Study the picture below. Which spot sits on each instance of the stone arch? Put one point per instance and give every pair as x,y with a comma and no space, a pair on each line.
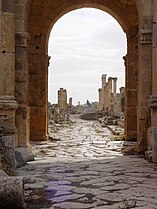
42,16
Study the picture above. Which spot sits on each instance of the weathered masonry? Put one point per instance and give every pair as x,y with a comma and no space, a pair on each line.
109,99
25,26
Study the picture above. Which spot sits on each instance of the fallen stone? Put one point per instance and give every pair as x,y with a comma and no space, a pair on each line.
22,156
11,193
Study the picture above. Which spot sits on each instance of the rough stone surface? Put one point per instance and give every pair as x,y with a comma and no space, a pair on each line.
85,169
139,21
7,154
22,156
11,193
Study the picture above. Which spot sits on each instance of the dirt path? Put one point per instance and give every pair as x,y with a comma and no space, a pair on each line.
83,168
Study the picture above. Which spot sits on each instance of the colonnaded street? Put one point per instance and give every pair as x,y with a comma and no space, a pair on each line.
81,167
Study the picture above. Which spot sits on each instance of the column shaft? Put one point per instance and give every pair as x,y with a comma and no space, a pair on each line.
21,89
144,87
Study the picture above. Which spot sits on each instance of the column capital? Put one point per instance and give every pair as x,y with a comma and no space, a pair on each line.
153,101
145,36
22,39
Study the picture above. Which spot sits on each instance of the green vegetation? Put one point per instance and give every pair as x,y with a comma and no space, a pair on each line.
118,138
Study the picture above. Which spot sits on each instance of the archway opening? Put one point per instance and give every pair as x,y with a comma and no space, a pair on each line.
85,44
39,29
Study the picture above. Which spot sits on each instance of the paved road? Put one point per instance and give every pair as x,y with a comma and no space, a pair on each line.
82,169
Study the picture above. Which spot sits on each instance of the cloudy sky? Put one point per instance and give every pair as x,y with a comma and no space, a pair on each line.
84,44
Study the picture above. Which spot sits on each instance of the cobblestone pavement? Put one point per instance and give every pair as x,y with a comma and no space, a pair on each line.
83,168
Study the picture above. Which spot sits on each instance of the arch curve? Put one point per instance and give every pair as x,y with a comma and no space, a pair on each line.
42,16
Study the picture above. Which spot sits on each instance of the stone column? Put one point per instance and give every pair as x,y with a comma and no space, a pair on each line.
114,85
109,94
70,102
144,87
152,133
131,83
100,100
114,95
103,79
21,89
62,102
38,98
8,105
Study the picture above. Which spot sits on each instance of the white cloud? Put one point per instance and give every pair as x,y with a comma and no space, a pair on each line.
84,44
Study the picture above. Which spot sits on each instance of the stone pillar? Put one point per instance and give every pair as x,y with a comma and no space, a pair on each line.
100,108
114,85
103,79
103,91
8,105
79,109
110,94
70,102
144,87
114,95
62,102
38,96
21,89
122,97
131,83
152,133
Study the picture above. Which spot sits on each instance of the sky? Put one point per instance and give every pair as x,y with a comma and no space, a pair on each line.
83,45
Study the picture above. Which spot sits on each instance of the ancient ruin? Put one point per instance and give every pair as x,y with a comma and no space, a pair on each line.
59,112
109,100
25,26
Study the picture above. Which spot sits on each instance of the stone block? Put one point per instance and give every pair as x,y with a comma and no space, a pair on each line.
38,123
8,154
37,11
8,106
131,111
8,33
8,5
48,4
154,145
23,155
20,11
155,35
37,3
21,92
11,193
19,25
154,73
7,78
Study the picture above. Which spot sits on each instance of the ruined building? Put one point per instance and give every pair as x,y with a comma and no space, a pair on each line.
109,100
58,112
25,27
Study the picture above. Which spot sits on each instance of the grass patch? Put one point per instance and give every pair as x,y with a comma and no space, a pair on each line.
118,138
